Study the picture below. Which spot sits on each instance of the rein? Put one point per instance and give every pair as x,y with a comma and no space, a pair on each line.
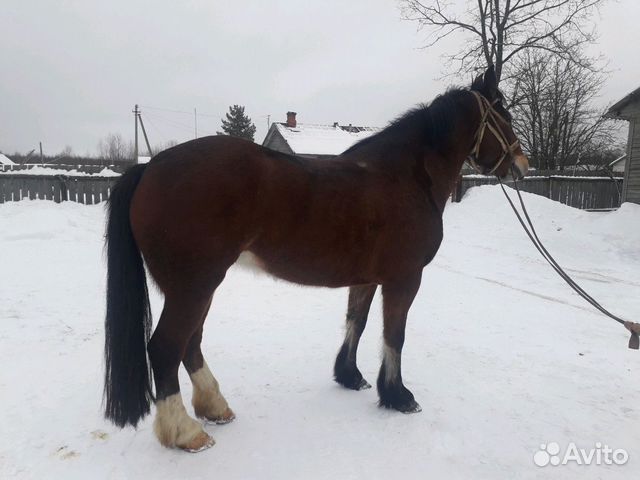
487,112
633,327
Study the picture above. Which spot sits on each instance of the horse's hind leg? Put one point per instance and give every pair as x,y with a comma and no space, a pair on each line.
396,300
345,370
208,402
181,317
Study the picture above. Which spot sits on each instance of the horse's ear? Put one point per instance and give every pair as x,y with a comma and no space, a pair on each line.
478,84
491,83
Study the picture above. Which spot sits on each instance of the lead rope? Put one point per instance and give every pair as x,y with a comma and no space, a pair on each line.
634,328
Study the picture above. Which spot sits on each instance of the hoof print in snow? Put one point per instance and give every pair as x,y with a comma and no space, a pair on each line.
65,454
99,435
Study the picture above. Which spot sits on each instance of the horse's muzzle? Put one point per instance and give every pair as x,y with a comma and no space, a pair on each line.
520,166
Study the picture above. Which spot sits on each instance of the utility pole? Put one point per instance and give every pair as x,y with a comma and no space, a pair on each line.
268,121
195,120
41,156
144,132
135,142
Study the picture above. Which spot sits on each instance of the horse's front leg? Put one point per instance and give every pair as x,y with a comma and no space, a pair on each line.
345,370
396,299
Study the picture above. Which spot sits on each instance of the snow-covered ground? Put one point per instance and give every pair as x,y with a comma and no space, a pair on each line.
502,356
53,171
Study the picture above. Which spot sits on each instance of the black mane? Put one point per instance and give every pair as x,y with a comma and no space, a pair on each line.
432,123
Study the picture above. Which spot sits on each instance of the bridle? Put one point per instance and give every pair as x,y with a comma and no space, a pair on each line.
487,113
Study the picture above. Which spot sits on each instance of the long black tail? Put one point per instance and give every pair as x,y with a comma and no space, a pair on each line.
127,381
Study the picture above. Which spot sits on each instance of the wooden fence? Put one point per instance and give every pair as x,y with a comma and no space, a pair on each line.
587,193
91,169
59,188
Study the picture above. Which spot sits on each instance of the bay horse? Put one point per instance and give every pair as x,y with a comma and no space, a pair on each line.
372,216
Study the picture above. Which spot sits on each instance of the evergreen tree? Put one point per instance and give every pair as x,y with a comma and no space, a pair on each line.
238,124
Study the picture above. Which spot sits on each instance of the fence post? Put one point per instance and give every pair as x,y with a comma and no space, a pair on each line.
64,196
457,190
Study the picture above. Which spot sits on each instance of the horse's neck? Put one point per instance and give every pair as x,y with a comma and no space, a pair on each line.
445,167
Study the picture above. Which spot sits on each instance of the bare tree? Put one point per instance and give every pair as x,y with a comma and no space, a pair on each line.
114,149
553,108
498,31
67,152
163,146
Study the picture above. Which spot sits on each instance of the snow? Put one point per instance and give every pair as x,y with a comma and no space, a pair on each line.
321,139
142,159
40,170
499,352
4,160
581,177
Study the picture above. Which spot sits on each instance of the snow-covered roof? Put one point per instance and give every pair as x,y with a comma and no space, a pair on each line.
143,159
622,158
322,139
4,160
617,109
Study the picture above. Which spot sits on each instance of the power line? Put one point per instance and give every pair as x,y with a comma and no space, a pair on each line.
171,122
184,112
166,109
155,127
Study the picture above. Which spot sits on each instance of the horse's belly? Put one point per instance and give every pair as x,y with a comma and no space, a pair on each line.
249,261
304,271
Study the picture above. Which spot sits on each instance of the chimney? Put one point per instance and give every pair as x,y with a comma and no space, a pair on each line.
291,119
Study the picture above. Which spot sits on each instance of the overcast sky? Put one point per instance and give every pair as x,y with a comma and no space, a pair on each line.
72,70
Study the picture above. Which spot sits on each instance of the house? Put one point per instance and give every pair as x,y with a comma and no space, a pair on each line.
4,160
629,109
313,141
617,166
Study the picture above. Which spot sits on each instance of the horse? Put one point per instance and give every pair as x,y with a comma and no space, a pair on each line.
370,217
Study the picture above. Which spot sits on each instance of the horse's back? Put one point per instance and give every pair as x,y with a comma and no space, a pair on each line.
330,222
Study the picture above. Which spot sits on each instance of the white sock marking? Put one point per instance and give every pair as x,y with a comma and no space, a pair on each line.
207,399
391,361
173,426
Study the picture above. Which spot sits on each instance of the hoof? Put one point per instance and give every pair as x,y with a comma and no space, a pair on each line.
363,385
200,442
409,407
413,408
397,397
227,417
351,379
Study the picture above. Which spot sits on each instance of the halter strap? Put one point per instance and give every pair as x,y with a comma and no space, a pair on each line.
487,112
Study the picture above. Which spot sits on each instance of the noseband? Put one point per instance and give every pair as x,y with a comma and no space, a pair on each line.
487,113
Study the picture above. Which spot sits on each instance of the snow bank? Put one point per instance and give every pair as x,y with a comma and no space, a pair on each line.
39,170
502,356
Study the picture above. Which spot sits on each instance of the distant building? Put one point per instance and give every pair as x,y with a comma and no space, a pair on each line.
618,165
629,109
314,141
4,160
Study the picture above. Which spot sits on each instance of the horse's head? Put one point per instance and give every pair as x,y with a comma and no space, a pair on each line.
496,148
